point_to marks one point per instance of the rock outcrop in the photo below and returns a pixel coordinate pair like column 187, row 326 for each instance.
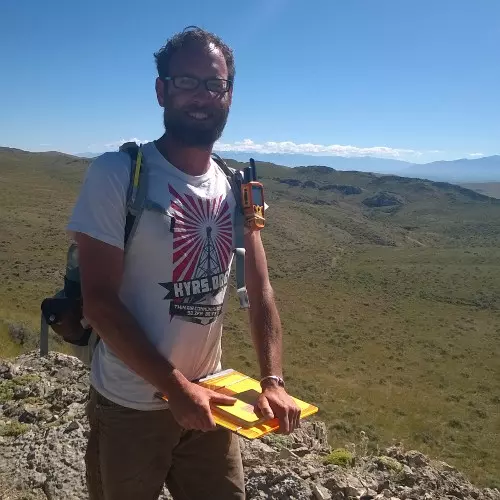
column 43, row 437
column 341, row 188
column 383, row 199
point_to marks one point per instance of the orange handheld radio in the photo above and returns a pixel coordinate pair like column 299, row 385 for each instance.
column 252, row 194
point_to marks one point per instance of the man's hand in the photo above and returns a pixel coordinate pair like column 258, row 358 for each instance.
column 276, row 402
column 190, row 406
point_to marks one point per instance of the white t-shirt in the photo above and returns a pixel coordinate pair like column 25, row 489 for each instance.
column 176, row 273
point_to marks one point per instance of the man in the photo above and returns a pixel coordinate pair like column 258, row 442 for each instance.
column 149, row 344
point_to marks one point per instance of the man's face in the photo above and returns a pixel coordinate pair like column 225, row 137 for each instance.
column 195, row 117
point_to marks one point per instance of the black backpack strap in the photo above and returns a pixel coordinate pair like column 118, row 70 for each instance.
column 132, row 151
column 137, row 190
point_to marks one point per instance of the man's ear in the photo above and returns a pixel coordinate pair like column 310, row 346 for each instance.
column 160, row 91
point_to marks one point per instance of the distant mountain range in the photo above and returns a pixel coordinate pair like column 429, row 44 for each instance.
column 361, row 164
column 486, row 169
column 87, row 155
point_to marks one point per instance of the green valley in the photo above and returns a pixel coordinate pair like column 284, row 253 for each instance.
column 388, row 289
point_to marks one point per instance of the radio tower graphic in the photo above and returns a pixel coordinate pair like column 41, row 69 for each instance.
column 201, row 254
column 202, row 236
column 208, row 263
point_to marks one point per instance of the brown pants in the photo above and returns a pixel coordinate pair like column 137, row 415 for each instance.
column 131, row 454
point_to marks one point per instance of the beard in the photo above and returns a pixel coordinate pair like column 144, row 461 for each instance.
column 192, row 132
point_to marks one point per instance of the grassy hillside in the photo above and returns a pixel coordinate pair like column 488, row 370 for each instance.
column 487, row 188
column 389, row 292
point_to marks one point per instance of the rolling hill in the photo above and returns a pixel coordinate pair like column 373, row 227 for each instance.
column 487, row 188
column 388, row 289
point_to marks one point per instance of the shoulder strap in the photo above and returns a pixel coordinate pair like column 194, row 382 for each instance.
column 137, row 190
column 234, row 179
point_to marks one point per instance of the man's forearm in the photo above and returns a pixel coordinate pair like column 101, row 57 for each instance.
column 120, row 330
column 267, row 334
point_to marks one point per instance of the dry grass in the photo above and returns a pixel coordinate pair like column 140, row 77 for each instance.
column 391, row 319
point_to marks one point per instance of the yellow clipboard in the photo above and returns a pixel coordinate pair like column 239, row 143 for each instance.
column 241, row 417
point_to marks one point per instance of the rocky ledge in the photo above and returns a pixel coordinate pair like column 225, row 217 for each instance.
column 43, row 437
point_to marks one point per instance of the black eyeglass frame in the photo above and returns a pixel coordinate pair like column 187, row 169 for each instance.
column 228, row 83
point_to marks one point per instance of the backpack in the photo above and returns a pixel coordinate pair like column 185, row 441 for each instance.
column 64, row 311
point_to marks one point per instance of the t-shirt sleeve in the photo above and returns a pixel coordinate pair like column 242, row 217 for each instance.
column 100, row 209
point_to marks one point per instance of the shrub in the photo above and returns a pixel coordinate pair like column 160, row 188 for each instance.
column 389, row 463
column 341, row 457
column 13, row 429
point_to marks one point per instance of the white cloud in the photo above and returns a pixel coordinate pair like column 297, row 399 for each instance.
column 112, row 146
column 288, row 147
column 475, row 155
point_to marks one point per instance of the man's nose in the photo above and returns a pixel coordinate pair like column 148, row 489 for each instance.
column 202, row 94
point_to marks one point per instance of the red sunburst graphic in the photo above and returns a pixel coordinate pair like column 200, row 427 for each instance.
column 203, row 236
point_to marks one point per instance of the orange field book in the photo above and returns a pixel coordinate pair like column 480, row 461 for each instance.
column 241, row 417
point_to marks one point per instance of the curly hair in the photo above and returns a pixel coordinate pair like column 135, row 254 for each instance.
column 192, row 35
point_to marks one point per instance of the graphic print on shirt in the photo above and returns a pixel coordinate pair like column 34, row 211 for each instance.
column 202, row 246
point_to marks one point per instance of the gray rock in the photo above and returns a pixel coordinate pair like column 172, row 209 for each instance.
column 321, row 493
column 368, row 494
column 354, row 481
column 405, row 493
column 351, row 491
column 416, row 459
column 48, row 459
column 301, row 451
column 446, row 467
column 27, row 417
column 73, row 426
column 5, row 370
column 22, row 392
column 410, row 477
column 287, row 454
column 383, row 485
column 38, row 479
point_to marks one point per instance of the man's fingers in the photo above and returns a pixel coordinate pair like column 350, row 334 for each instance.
column 294, row 419
column 200, row 421
column 297, row 418
column 206, row 421
column 287, row 422
column 221, row 399
column 264, row 407
column 210, row 424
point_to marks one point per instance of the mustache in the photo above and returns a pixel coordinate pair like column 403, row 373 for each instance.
column 202, row 109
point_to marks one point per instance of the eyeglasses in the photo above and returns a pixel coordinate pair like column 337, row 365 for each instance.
column 218, row 85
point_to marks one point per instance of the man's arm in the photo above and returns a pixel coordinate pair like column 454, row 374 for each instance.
column 267, row 335
column 101, row 269
column 265, row 322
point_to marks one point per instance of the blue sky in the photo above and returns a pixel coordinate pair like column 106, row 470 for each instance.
column 398, row 79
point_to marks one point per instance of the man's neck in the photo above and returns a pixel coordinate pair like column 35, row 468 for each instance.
column 190, row 160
